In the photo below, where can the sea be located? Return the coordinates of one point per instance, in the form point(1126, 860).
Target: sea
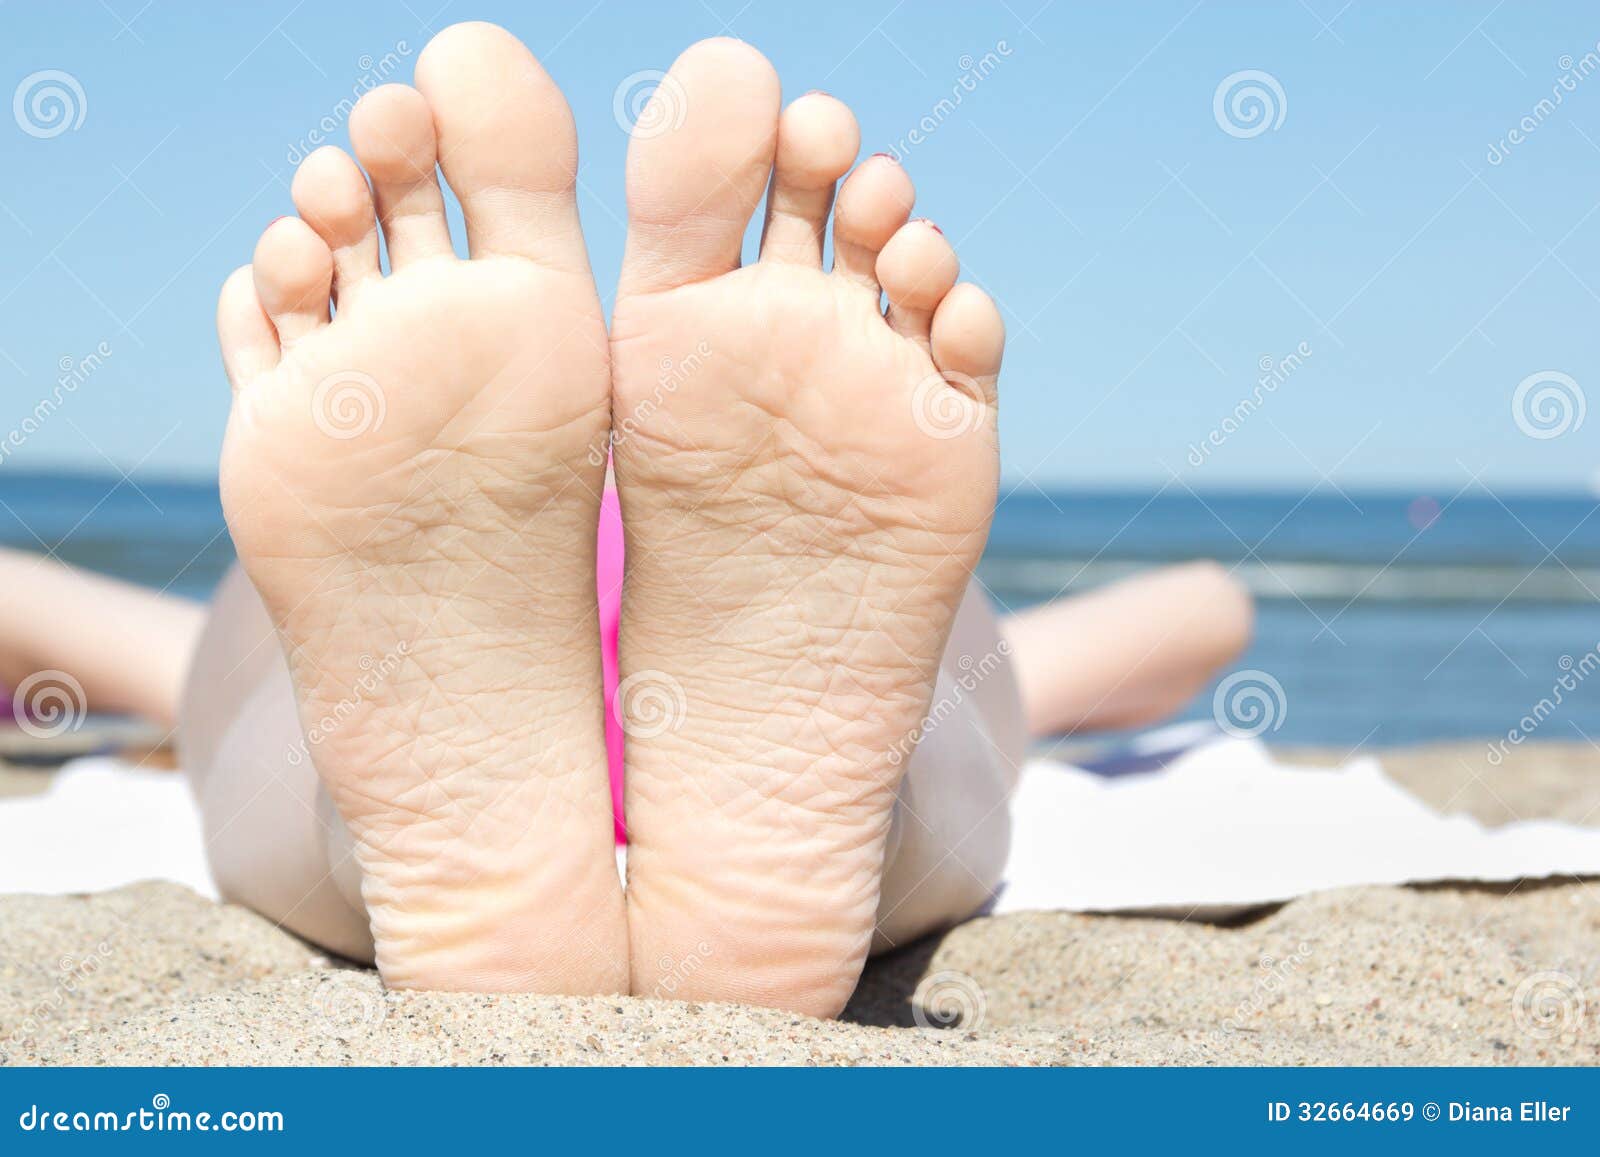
point(1383, 618)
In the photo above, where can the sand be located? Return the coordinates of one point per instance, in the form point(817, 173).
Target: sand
point(153, 974)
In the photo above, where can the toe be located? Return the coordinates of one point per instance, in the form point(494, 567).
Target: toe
point(698, 162)
point(916, 268)
point(249, 343)
point(817, 143)
point(968, 338)
point(293, 274)
point(508, 145)
point(392, 131)
point(873, 203)
point(333, 199)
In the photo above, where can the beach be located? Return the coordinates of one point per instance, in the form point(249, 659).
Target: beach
point(1441, 974)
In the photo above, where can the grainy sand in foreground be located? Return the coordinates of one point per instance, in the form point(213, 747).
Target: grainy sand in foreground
point(153, 974)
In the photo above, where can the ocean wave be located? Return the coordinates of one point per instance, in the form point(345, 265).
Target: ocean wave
point(1043, 578)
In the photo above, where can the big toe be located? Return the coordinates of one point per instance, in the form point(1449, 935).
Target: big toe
point(701, 152)
point(506, 142)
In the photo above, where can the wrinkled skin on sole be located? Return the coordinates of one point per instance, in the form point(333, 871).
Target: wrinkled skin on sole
point(412, 488)
point(806, 485)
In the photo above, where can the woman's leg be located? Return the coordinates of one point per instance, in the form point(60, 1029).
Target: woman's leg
point(951, 829)
point(274, 840)
point(277, 845)
point(1130, 653)
point(128, 647)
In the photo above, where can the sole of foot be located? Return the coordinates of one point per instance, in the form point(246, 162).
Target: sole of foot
point(410, 481)
point(807, 481)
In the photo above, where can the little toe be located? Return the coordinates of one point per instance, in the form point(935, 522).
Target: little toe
point(293, 274)
point(968, 338)
point(334, 200)
point(916, 268)
point(699, 159)
point(392, 131)
point(249, 343)
point(507, 144)
point(817, 142)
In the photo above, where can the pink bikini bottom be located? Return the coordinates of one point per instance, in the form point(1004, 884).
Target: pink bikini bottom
point(608, 584)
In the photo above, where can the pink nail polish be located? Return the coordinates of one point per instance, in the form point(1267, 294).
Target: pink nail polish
point(931, 225)
point(887, 156)
point(818, 92)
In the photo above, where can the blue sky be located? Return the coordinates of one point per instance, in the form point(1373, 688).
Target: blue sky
point(1149, 252)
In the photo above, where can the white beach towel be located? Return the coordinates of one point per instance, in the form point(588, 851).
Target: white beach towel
point(1223, 826)
point(99, 826)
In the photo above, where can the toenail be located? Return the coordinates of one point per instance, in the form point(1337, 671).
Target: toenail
point(931, 225)
point(890, 157)
point(819, 92)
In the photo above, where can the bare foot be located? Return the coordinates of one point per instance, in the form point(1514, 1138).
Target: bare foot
point(806, 486)
point(410, 488)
